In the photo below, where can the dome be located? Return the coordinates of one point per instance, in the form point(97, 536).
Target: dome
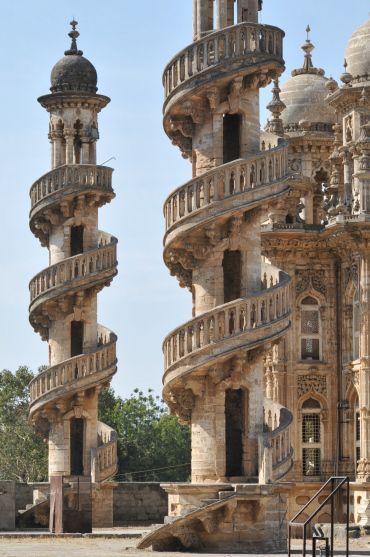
point(304, 96)
point(358, 53)
point(73, 73)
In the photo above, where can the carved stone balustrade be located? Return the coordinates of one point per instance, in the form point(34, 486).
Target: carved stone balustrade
point(77, 373)
point(248, 317)
point(197, 63)
point(226, 181)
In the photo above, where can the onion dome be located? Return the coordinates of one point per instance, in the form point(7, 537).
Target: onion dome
point(73, 73)
point(304, 97)
point(358, 54)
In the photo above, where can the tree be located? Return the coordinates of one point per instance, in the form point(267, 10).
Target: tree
point(23, 455)
point(152, 445)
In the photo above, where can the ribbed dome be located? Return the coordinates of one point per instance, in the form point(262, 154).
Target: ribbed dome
point(73, 72)
point(304, 97)
point(358, 53)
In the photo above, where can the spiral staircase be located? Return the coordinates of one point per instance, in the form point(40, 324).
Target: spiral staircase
point(82, 260)
point(223, 346)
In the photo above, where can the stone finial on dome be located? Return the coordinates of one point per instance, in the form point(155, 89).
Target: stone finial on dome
point(346, 77)
point(308, 66)
point(276, 107)
point(74, 34)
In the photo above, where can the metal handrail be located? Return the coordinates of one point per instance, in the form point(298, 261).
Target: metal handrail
point(330, 498)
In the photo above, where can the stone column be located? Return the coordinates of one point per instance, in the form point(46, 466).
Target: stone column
point(69, 134)
point(248, 11)
point(195, 20)
point(251, 257)
point(203, 436)
point(208, 284)
point(348, 173)
point(202, 18)
point(364, 379)
point(85, 155)
point(221, 14)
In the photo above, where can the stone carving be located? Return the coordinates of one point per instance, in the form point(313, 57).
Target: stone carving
point(311, 383)
point(310, 278)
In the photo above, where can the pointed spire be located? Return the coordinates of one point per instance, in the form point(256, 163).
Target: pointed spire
point(74, 34)
point(308, 66)
point(276, 107)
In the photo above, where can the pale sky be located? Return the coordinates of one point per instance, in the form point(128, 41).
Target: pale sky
point(129, 43)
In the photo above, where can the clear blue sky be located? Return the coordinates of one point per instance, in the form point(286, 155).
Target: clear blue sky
point(129, 43)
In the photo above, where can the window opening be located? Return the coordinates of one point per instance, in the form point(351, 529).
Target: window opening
point(77, 446)
point(77, 240)
point(310, 329)
point(231, 137)
point(311, 438)
point(232, 275)
point(77, 338)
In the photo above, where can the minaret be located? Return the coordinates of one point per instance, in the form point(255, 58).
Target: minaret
point(82, 260)
point(214, 364)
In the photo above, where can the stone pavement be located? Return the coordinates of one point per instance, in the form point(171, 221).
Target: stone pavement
point(100, 546)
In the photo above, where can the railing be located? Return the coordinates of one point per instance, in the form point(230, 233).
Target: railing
point(275, 450)
point(329, 499)
point(104, 458)
point(221, 46)
point(74, 369)
point(227, 321)
point(225, 181)
point(62, 177)
point(75, 268)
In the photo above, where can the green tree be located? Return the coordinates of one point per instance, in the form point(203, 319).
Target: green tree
point(152, 445)
point(23, 455)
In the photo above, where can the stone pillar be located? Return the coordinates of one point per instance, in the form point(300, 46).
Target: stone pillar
point(248, 11)
point(85, 155)
point(202, 18)
point(221, 14)
point(364, 379)
point(251, 258)
point(208, 284)
point(195, 20)
point(348, 173)
point(69, 134)
point(203, 436)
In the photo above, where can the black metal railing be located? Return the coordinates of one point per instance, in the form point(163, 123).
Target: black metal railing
point(318, 533)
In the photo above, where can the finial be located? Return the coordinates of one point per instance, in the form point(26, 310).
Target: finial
point(276, 107)
point(346, 77)
point(74, 34)
point(308, 66)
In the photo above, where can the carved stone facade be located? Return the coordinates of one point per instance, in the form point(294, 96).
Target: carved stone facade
point(272, 237)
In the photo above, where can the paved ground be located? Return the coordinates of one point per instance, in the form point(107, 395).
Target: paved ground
point(115, 547)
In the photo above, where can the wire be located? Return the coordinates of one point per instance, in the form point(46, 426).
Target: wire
point(154, 469)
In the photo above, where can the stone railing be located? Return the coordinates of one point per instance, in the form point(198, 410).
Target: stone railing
point(71, 175)
point(219, 47)
point(104, 459)
point(275, 450)
point(226, 181)
point(71, 371)
point(227, 321)
point(76, 267)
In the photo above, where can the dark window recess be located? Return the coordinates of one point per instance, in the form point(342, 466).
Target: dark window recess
point(232, 275)
point(231, 137)
point(77, 240)
point(234, 423)
point(77, 338)
point(310, 349)
point(77, 446)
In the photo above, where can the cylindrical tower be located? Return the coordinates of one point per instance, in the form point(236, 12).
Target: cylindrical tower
point(82, 260)
point(214, 363)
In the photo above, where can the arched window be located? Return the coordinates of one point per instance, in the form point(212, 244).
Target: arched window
point(311, 438)
point(356, 326)
point(310, 329)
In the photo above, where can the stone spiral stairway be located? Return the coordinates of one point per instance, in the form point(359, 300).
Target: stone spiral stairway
point(223, 208)
point(59, 289)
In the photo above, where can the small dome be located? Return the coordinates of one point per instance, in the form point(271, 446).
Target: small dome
point(358, 53)
point(73, 72)
point(304, 97)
